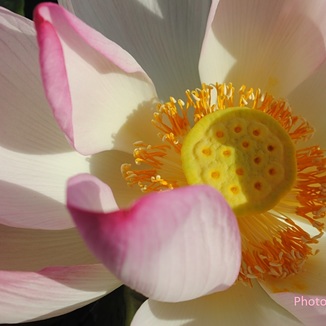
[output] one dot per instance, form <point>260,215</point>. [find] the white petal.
<point>273,45</point>
<point>26,123</point>
<point>35,158</point>
<point>53,291</point>
<point>33,188</point>
<point>98,92</point>
<point>309,101</point>
<point>304,295</point>
<point>107,166</point>
<point>163,36</point>
<point>32,250</point>
<point>238,305</point>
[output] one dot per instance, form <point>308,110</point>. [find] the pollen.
<point>246,144</point>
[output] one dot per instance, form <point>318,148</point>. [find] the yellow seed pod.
<point>245,154</point>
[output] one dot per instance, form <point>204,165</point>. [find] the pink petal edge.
<point>53,14</point>
<point>53,73</point>
<point>93,112</point>
<point>164,246</point>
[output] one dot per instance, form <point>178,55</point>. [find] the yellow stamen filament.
<point>273,245</point>
<point>310,189</point>
<point>161,162</point>
<point>172,121</point>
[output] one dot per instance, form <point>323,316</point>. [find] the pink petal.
<point>163,36</point>
<point>87,193</point>
<point>304,294</point>
<point>97,91</point>
<point>35,158</point>
<point>239,305</point>
<point>53,291</point>
<point>170,246</point>
<point>273,45</point>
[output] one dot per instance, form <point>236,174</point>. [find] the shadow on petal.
<point>23,207</point>
<point>106,167</point>
<point>239,305</point>
<point>26,124</point>
<point>163,36</point>
<point>138,127</point>
<point>33,250</point>
<point>265,41</point>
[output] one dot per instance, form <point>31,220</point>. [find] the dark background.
<point>30,5</point>
<point>108,311</point>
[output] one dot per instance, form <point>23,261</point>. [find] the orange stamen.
<point>273,245</point>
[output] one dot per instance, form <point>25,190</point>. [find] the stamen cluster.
<point>273,244</point>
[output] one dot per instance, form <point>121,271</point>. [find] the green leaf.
<point>133,300</point>
<point>16,6</point>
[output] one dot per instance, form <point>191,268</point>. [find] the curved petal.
<point>33,188</point>
<point>98,92</point>
<point>309,100</point>
<point>32,250</point>
<point>260,43</point>
<point>165,37</point>
<point>239,305</point>
<point>26,123</point>
<point>35,158</point>
<point>304,295</point>
<point>107,167</point>
<point>170,246</point>
<point>88,194</point>
<point>53,291</point>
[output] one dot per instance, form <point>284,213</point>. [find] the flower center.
<point>243,144</point>
<point>243,153</point>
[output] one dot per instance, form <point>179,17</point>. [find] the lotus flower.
<point>142,245</point>
<point>46,269</point>
<point>280,210</point>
